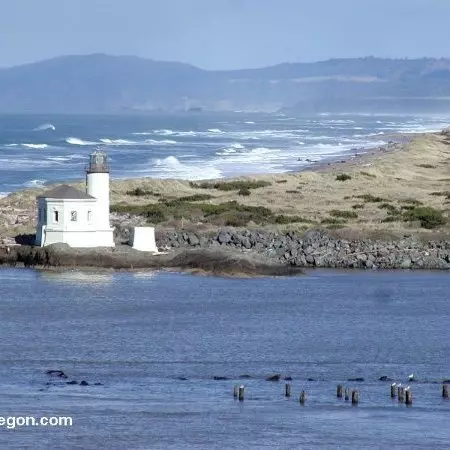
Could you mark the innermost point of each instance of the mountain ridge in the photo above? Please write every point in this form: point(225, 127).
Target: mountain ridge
point(101, 83)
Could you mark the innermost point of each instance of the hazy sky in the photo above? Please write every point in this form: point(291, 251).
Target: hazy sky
point(224, 34)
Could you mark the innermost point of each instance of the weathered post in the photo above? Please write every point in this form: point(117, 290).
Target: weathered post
point(287, 390)
point(302, 398)
point(339, 391)
point(393, 385)
point(355, 397)
point(408, 396)
point(400, 393)
point(235, 390)
point(241, 393)
point(445, 390)
point(347, 394)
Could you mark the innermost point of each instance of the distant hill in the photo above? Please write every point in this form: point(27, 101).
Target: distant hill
point(113, 84)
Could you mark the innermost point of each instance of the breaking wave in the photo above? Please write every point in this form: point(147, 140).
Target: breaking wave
point(44, 127)
point(171, 167)
point(35, 146)
point(76, 141)
point(35, 183)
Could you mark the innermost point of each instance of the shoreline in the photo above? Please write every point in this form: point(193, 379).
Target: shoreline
point(385, 208)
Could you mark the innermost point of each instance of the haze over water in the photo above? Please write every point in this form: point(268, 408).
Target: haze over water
point(35, 150)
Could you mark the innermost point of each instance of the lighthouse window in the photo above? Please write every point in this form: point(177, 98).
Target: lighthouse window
point(89, 216)
point(55, 216)
point(73, 216)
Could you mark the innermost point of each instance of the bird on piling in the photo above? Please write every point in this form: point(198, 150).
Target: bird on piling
point(411, 377)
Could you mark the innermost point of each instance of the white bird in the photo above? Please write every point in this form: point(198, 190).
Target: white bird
point(411, 377)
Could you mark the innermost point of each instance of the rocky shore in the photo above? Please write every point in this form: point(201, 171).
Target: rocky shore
point(317, 248)
point(238, 252)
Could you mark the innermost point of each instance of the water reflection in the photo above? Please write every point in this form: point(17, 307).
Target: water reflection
point(77, 277)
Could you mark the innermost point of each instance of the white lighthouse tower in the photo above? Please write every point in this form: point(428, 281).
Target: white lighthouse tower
point(97, 186)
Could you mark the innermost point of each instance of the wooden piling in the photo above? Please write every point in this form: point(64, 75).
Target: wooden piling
point(400, 393)
point(302, 398)
point(287, 389)
point(241, 393)
point(347, 394)
point(445, 390)
point(235, 390)
point(339, 391)
point(393, 390)
point(355, 397)
point(408, 396)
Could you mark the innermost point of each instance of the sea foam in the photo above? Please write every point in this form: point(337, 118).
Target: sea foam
point(45, 126)
point(77, 141)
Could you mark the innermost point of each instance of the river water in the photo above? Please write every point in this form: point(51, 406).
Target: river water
point(138, 333)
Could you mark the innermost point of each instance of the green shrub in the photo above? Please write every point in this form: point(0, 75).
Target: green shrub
point(369, 198)
point(284, 220)
point(427, 216)
point(195, 198)
point(358, 206)
point(343, 177)
point(231, 185)
point(139, 192)
point(343, 214)
point(426, 166)
point(332, 221)
point(281, 181)
point(244, 192)
point(391, 208)
point(292, 192)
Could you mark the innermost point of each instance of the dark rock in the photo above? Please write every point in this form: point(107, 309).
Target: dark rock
point(220, 378)
point(223, 237)
point(385, 378)
point(98, 384)
point(193, 240)
point(274, 377)
point(288, 378)
point(56, 373)
point(182, 378)
point(311, 379)
point(84, 383)
point(72, 382)
point(244, 377)
point(356, 379)
point(446, 381)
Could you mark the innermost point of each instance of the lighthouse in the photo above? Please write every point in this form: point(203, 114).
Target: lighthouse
point(97, 186)
point(77, 218)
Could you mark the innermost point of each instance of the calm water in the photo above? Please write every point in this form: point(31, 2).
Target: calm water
point(138, 333)
point(40, 149)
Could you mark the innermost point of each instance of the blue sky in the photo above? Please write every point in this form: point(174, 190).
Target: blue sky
point(224, 34)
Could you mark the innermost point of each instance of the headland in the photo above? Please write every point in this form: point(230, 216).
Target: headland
point(386, 208)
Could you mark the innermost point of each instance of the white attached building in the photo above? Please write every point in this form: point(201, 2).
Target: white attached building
point(80, 219)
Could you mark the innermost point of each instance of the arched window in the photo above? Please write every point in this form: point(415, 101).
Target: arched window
point(73, 216)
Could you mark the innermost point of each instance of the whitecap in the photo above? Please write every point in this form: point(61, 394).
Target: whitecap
point(171, 167)
point(35, 183)
point(215, 130)
point(35, 146)
point(249, 122)
point(77, 141)
point(44, 127)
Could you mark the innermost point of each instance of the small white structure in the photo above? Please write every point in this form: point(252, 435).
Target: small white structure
point(80, 219)
point(143, 239)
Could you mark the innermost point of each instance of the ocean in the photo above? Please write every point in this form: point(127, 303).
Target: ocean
point(149, 344)
point(155, 342)
point(37, 150)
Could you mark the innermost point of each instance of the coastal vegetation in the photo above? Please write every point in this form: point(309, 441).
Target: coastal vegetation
point(401, 197)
